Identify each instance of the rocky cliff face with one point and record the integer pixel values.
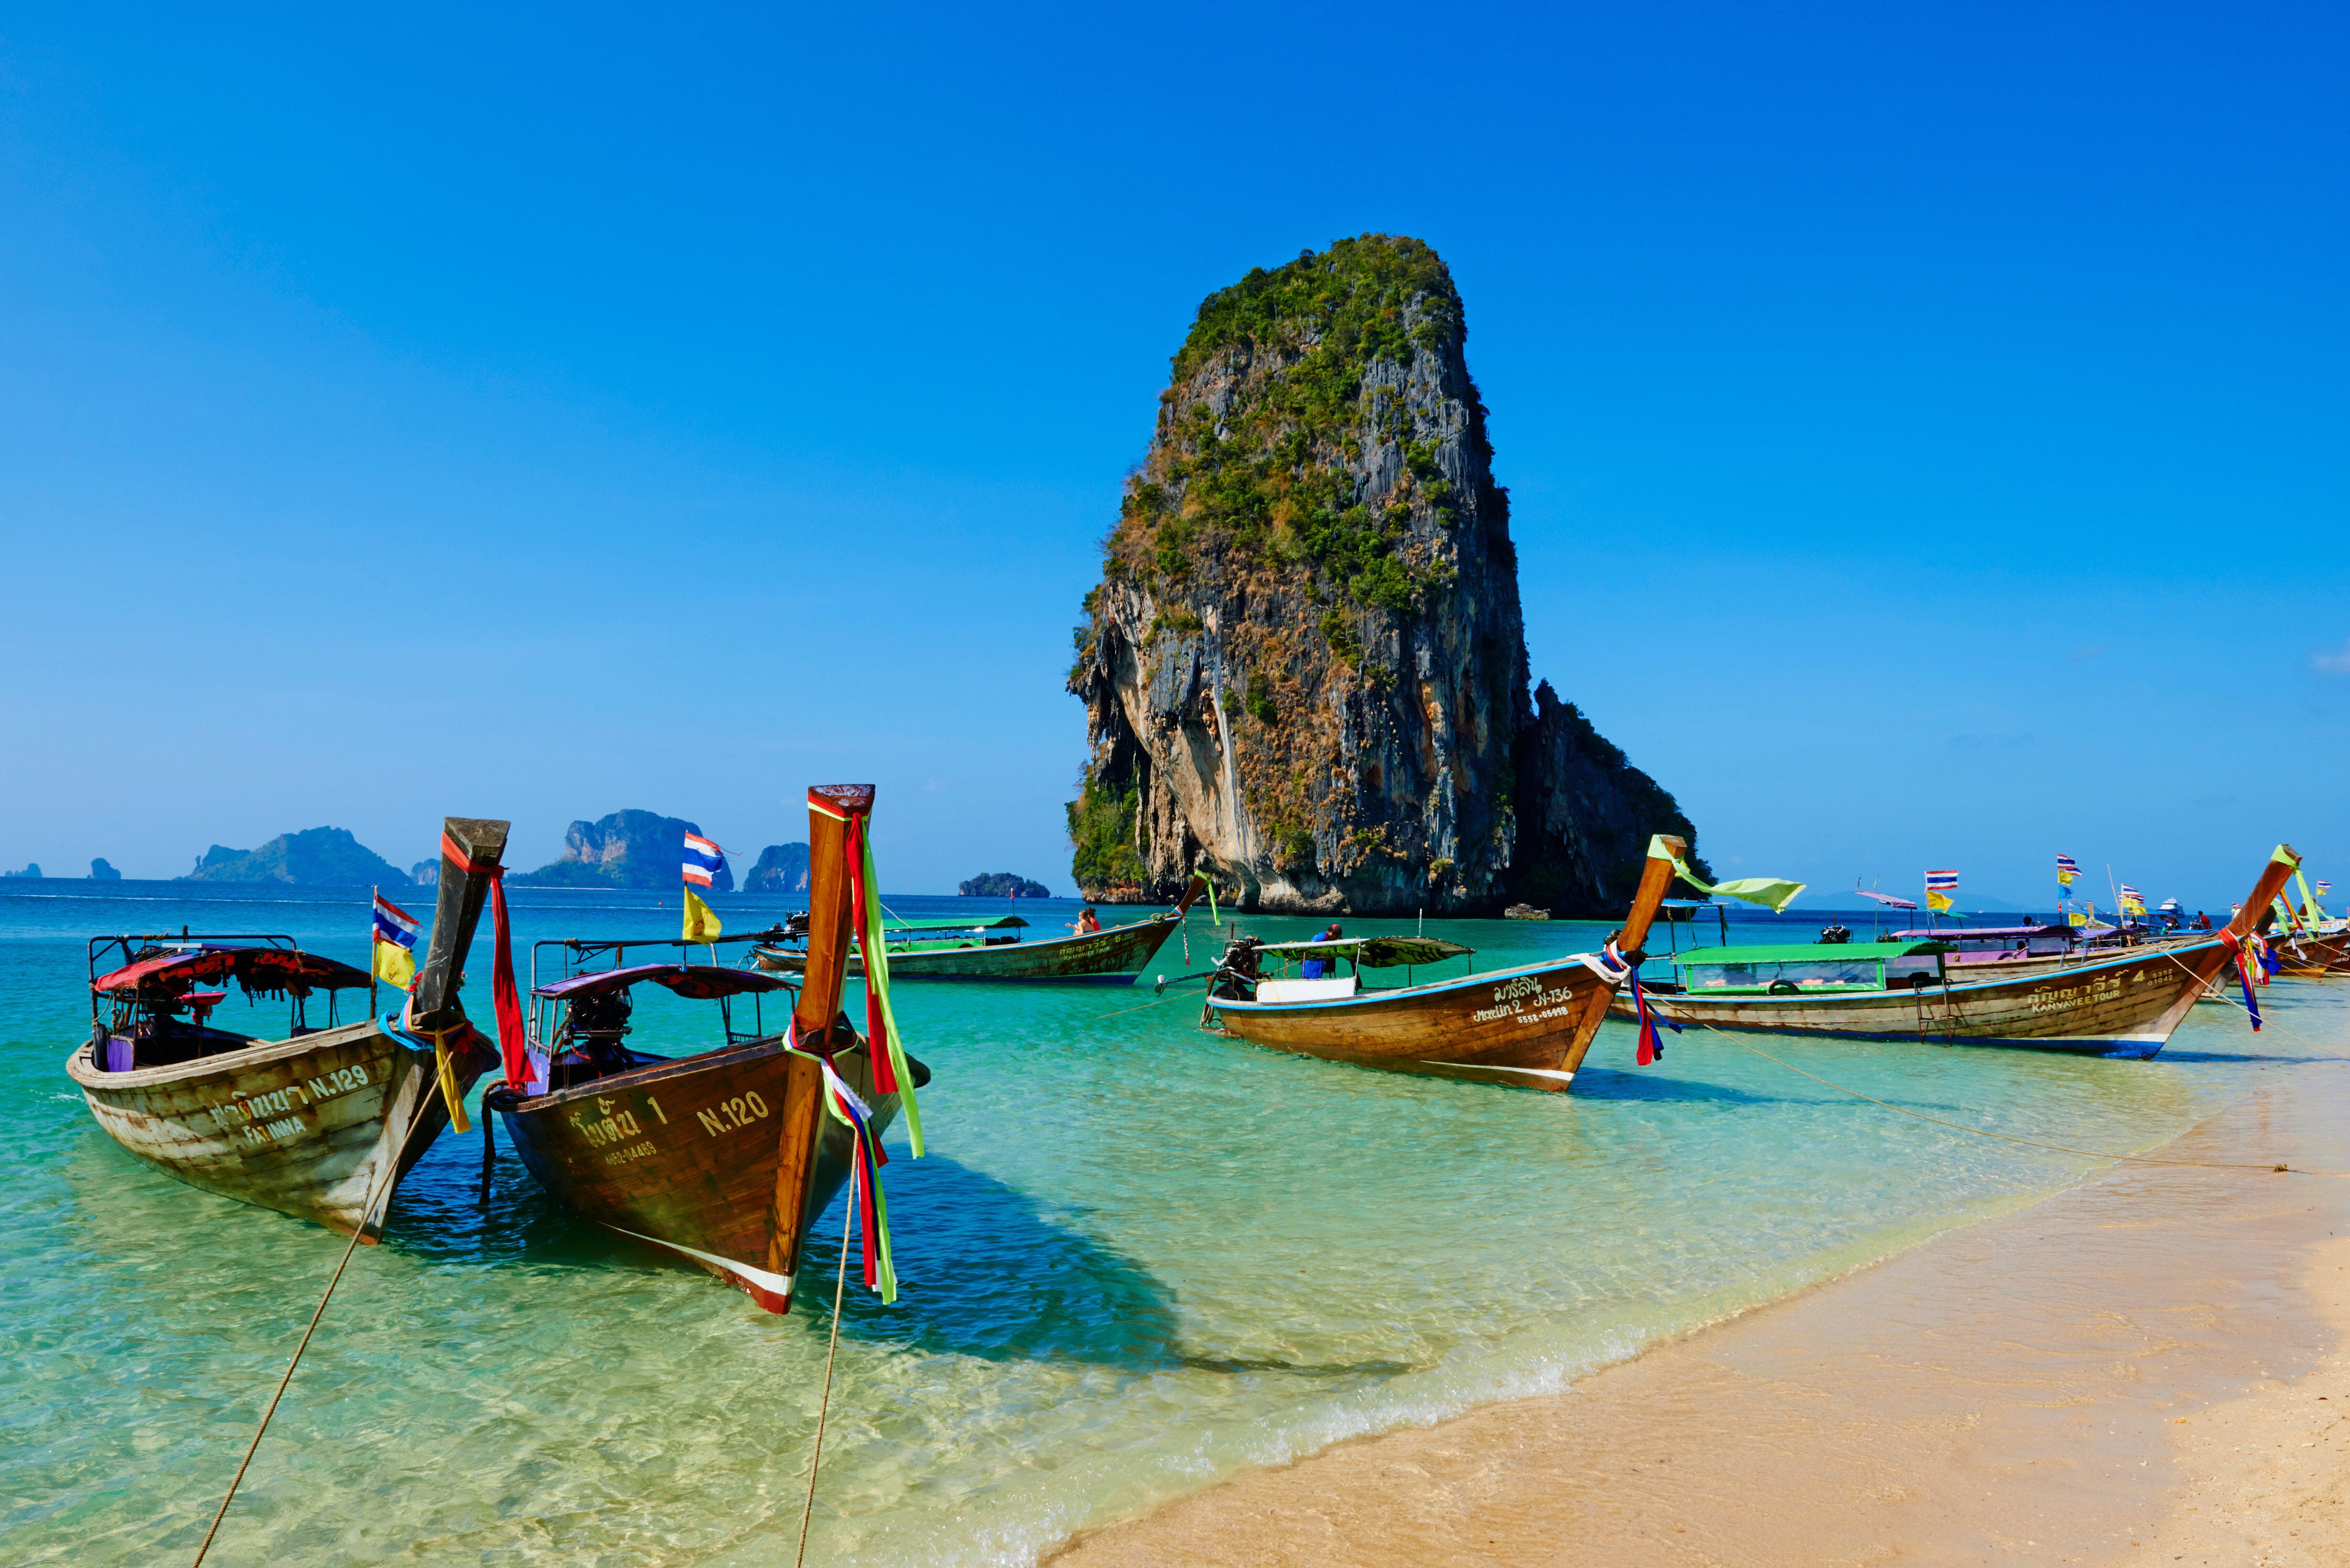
(782, 868)
(1304, 667)
(626, 850)
(325, 856)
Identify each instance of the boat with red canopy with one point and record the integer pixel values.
(320, 1123)
(722, 1156)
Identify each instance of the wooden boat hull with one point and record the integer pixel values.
(309, 1127)
(1112, 957)
(2126, 1007)
(1529, 1026)
(685, 1156)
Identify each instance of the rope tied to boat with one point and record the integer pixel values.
(358, 1233)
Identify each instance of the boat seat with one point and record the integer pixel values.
(1338, 990)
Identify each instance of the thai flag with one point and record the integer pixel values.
(1941, 881)
(394, 924)
(2324, 885)
(2066, 869)
(2131, 895)
(703, 859)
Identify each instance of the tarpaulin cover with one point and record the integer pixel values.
(264, 970)
(1377, 952)
(696, 982)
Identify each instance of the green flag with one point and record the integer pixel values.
(1768, 891)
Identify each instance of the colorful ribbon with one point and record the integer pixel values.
(865, 1195)
(2244, 973)
(891, 1076)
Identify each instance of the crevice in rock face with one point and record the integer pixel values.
(1304, 667)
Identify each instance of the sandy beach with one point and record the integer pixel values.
(2143, 1368)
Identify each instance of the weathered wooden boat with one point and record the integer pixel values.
(724, 1157)
(320, 1124)
(1530, 1025)
(2126, 1003)
(991, 950)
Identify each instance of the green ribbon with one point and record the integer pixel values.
(877, 980)
(1768, 891)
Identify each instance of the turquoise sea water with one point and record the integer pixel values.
(1137, 1259)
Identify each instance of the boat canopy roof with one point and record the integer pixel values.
(267, 970)
(696, 982)
(1685, 903)
(1803, 952)
(1375, 952)
(1962, 933)
(1001, 921)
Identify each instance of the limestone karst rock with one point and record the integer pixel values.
(1304, 667)
(328, 857)
(626, 850)
(781, 868)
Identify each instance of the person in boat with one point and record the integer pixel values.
(2202, 921)
(1087, 922)
(1236, 976)
(595, 1027)
(1314, 968)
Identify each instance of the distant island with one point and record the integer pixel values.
(100, 871)
(315, 854)
(627, 849)
(782, 868)
(426, 873)
(1003, 885)
(32, 869)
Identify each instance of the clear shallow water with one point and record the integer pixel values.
(1137, 1259)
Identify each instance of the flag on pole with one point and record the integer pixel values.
(1940, 885)
(394, 948)
(2067, 870)
(703, 859)
(700, 925)
(2133, 901)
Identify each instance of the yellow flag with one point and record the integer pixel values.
(700, 925)
(1939, 902)
(394, 965)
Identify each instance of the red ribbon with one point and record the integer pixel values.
(877, 1027)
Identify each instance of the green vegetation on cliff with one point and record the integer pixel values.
(1101, 831)
(1272, 474)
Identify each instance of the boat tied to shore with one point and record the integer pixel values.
(723, 1157)
(1530, 1025)
(320, 1123)
(990, 948)
(2124, 1005)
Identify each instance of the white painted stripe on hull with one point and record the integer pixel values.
(1489, 1067)
(779, 1284)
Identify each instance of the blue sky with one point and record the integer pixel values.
(1925, 425)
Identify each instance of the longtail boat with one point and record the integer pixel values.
(2127, 1004)
(320, 1124)
(1530, 1025)
(724, 1157)
(990, 948)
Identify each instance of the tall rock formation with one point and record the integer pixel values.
(1304, 665)
(626, 850)
(782, 868)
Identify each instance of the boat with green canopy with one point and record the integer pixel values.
(993, 948)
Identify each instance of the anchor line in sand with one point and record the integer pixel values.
(840, 1290)
(358, 1232)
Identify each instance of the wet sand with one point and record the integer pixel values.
(2129, 1371)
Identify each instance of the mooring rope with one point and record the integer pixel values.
(840, 1290)
(359, 1232)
